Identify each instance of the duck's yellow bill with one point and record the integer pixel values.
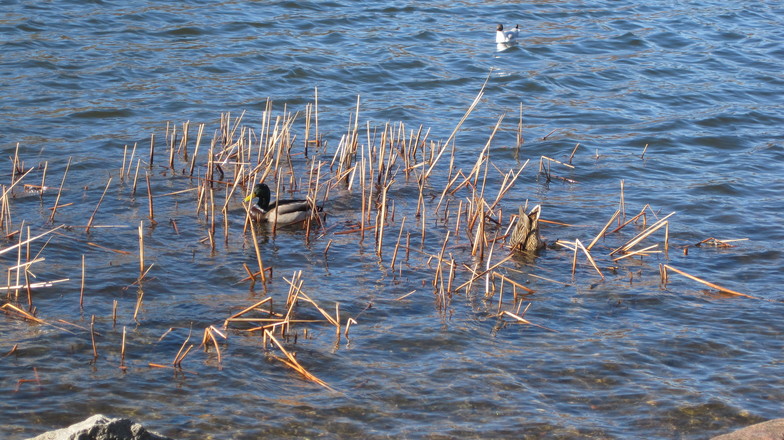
(248, 198)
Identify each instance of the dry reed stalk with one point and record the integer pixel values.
(152, 149)
(180, 356)
(488, 274)
(81, 289)
(711, 285)
(122, 351)
(23, 314)
(92, 338)
(141, 249)
(622, 206)
(12, 351)
(33, 285)
(196, 149)
(92, 217)
(136, 176)
(512, 282)
(209, 335)
(520, 138)
(184, 140)
(643, 251)
(451, 137)
(15, 164)
(36, 380)
(292, 362)
(663, 275)
(525, 321)
(29, 240)
(574, 260)
(139, 300)
(381, 218)
(571, 156)
(397, 245)
(300, 294)
(509, 181)
(642, 235)
(348, 326)
(604, 229)
(548, 134)
(476, 275)
(405, 296)
(642, 156)
(59, 191)
(579, 244)
(337, 321)
(211, 229)
(234, 317)
(172, 141)
(633, 219)
(130, 162)
(114, 313)
(122, 169)
(150, 200)
(478, 246)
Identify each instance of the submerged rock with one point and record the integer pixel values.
(770, 430)
(100, 427)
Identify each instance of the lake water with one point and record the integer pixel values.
(681, 104)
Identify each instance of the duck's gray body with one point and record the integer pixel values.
(279, 212)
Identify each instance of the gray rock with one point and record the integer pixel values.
(100, 427)
(770, 430)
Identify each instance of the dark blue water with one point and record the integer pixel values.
(699, 83)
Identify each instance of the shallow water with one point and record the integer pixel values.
(699, 83)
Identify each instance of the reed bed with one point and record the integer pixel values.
(456, 216)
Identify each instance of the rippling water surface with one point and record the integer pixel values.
(699, 83)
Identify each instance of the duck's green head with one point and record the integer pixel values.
(262, 191)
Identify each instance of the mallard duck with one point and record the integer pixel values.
(508, 37)
(526, 233)
(280, 212)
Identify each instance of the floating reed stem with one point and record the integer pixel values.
(711, 285)
(525, 321)
(292, 362)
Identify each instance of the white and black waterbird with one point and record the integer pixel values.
(508, 37)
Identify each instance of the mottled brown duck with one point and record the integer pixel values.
(525, 236)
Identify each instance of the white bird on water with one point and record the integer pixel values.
(508, 37)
